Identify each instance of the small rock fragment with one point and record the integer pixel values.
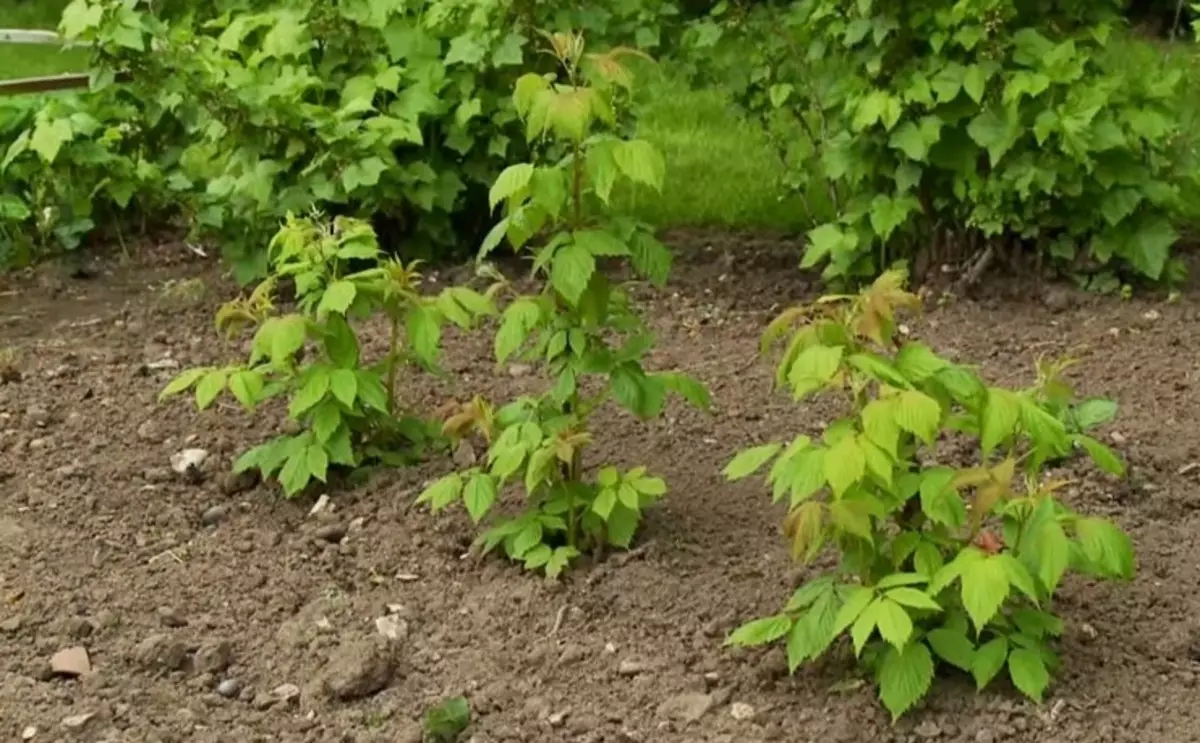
(516, 371)
(29, 732)
(358, 669)
(557, 719)
(741, 711)
(464, 455)
(171, 618)
(686, 707)
(392, 627)
(160, 651)
(11, 626)
(74, 722)
(229, 688)
(213, 515)
(286, 693)
(235, 483)
(632, 668)
(71, 662)
(572, 654)
(928, 730)
(189, 463)
(213, 657)
(320, 505)
(331, 532)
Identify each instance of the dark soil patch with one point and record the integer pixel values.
(215, 615)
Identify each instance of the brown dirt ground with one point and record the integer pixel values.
(102, 547)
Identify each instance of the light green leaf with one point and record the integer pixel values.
(975, 82)
(641, 162)
(364, 173)
(1000, 415)
(511, 180)
(892, 620)
(749, 461)
(424, 332)
(209, 386)
(988, 661)
(918, 362)
(49, 136)
(443, 492)
(845, 464)
(914, 598)
(904, 677)
(1104, 457)
(985, 586)
(1028, 673)
(310, 393)
(760, 631)
(518, 320)
(182, 382)
(857, 600)
(600, 243)
(317, 462)
(571, 270)
(995, 132)
(479, 495)
(247, 387)
(1108, 548)
(953, 647)
(918, 414)
(559, 560)
(338, 297)
(813, 368)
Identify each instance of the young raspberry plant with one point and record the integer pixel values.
(581, 326)
(347, 410)
(943, 561)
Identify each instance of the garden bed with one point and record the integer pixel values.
(213, 613)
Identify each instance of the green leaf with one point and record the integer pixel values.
(559, 560)
(940, 502)
(1028, 672)
(338, 297)
(985, 586)
(1107, 547)
(511, 180)
(571, 271)
(518, 320)
(1150, 247)
(1104, 457)
(326, 419)
(1050, 551)
(918, 362)
(827, 241)
(845, 464)
(182, 382)
(749, 461)
(364, 173)
(247, 387)
(915, 139)
(641, 162)
(622, 525)
(914, 598)
(49, 136)
(760, 631)
(857, 600)
(600, 243)
(424, 332)
(1094, 412)
(209, 387)
(975, 81)
(317, 462)
(918, 414)
(988, 661)
(953, 647)
(902, 579)
(994, 132)
(888, 213)
(447, 720)
(310, 393)
(893, 622)
(344, 386)
(813, 369)
(1000, 415)
(605, 501)
(443, 492)
(904, 677)
(479, 495)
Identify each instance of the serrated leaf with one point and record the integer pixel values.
(605, 501)
(760, 631)
(1050, 552)
(845, 464)
(571, 270)
(424, 332)
(344, 386)
(857, 600)
(209, 386)
(1000, 415)
(953, 647)
(749, 461)
(641, 162)
(247, 387)
(478, 495)
(904, 677)
(182, 382)
(813, 369)
(918, 362)
(317, 462)
(338, 297)
(559, 560)
(907, 596)
(892, 620)
(918, 414)
(511, 180)
(879, 424)
(1028, 673)
(940, 501)
(517, 321)
(902, 579)
(49, 136)
(1019, 577)
(443, 492)
(989, 659)
(1107, 547)
(1104, 457)
(985, 587)
(600, 243)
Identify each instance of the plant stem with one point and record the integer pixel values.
(393, 344)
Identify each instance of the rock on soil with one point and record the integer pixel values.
(358, 668)
(686, 707)
(72, 661)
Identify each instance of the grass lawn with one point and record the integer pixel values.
(30, 60)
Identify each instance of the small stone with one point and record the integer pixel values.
(928, 730)
(407, 577)
(632, 668)
(28, 733)
(213, 657)
(516, 371)
(741, 711)
(392, 627)
(686, 707)
(985, 736)
(189, 463)
(160, 651)
(464, 455)
(213, 515)
(358, 669)
(235, 483)
(74, 722)
(170, 618)
(321, 504)
(571, 655)
(1118, 438)
(229, 688)
(71, 662)
(286, 693)
(331, 532)
(11, 626)
(557, 719)
(79, 628)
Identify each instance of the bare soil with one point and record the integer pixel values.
(210, 612)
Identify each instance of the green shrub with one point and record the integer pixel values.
(944, 559)
(347, 409)
(580, 325)
(943, 126)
